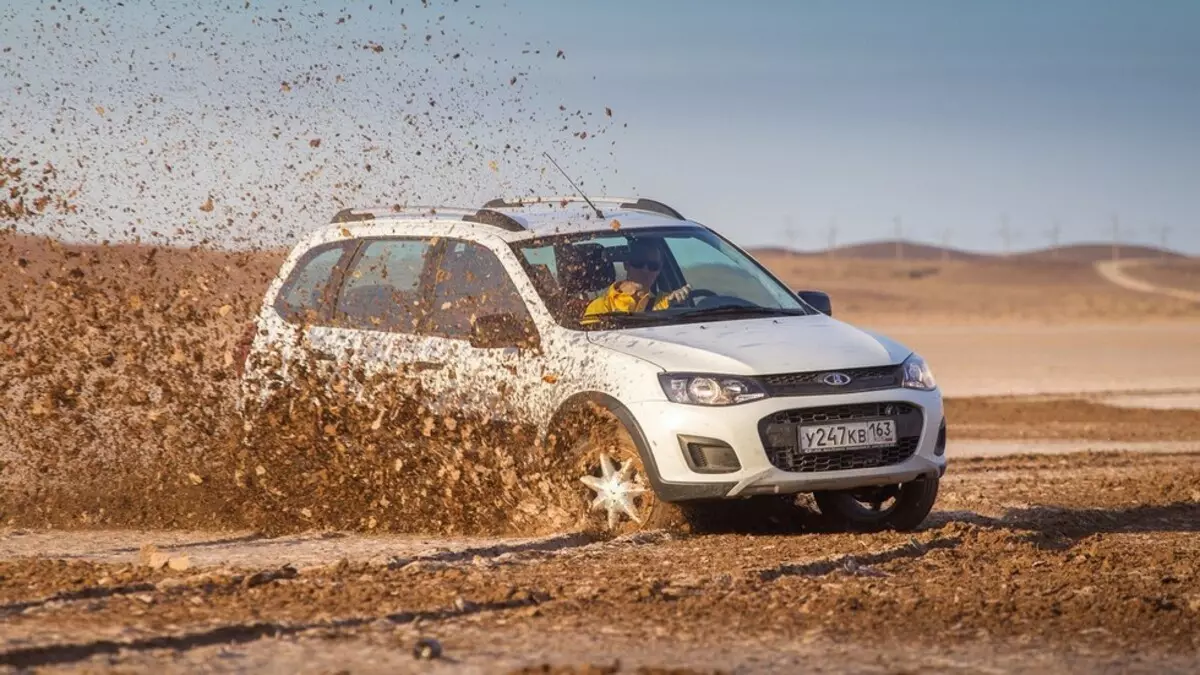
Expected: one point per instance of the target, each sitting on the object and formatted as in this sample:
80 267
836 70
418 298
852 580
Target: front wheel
609 486
900 507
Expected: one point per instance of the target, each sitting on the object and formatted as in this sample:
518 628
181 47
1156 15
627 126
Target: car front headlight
917 374
698 389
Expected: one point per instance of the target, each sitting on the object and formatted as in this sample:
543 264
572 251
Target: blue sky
746 116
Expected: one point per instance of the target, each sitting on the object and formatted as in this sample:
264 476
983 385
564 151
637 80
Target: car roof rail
638 203
503 221
482 216
351 216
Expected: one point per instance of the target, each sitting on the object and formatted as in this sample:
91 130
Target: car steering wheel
712 299
699 293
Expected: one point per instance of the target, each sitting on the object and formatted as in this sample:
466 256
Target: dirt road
1119 272
1069 563
1031 359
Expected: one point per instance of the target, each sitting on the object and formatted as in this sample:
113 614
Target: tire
591 438
852 510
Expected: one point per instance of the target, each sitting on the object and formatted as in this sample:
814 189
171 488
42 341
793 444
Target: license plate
830 437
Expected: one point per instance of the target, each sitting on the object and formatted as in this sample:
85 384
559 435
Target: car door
381 308
472 289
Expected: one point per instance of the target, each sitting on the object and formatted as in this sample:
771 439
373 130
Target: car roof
540 220
511 220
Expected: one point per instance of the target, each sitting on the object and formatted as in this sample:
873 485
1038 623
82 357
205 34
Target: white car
727 385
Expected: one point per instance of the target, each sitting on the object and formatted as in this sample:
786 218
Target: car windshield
651 276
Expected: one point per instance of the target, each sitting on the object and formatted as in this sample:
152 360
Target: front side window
471 282
382 290
651 276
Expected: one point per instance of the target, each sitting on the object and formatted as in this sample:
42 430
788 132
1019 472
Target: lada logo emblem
836 379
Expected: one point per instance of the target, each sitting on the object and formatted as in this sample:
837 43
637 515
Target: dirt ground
1073 564
983 291
972 360
1021 418
140 534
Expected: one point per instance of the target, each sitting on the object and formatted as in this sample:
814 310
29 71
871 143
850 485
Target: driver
633 293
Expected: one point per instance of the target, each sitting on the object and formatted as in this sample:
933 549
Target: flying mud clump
28 190
116 365
122 299
337 449
120 409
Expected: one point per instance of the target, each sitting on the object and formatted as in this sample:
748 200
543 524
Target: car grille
810 384
780 437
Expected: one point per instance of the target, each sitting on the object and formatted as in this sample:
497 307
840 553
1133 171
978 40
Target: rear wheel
900 507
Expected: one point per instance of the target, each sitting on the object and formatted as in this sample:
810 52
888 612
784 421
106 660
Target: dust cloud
157 164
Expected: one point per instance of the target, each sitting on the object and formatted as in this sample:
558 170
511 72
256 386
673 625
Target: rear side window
542 257
471 282
307 295
382 290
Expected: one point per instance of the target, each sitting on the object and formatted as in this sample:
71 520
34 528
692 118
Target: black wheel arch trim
665 490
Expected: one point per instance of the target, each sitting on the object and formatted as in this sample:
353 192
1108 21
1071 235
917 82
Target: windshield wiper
625 317
737 310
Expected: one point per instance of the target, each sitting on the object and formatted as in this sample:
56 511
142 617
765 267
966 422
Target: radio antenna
564 173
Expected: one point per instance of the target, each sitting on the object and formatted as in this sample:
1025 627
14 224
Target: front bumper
663 423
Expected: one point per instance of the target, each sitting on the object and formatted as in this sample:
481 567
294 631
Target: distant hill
877 250
909 250
1093 252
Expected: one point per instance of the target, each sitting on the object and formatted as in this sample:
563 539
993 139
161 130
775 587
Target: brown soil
118 371
1067 418
1085 553
988 290
117 412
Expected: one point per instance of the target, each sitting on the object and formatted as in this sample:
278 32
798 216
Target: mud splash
119 409
116 369
31 188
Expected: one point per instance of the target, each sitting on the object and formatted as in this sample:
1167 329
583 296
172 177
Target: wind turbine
1163 232
899 237
790 231
1116 237
1054 233
1006 233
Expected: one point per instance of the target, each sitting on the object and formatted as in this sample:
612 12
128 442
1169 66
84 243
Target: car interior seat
583 271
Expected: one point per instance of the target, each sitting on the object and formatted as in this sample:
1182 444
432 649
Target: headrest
582 268
544 279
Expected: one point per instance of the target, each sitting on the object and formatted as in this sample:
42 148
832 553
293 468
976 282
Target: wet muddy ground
325 541
1077 563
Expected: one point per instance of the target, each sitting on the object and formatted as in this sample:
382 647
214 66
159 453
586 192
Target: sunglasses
651 265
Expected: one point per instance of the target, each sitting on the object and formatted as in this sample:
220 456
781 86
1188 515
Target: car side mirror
817 300
499 331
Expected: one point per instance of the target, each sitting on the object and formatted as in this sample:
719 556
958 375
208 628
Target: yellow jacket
624 296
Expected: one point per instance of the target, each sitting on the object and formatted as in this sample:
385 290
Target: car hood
756 346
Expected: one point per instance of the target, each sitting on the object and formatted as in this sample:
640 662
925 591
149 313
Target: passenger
633 293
